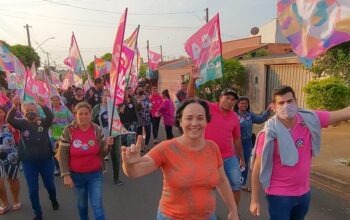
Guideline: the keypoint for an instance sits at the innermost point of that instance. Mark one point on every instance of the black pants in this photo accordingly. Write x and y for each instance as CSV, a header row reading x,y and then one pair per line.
x,y
169,132
155,126
148,132
115,157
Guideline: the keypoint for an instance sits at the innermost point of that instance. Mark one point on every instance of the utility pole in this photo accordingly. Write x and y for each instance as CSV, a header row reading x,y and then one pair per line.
x,y
207,15
48,64
28,35
161,53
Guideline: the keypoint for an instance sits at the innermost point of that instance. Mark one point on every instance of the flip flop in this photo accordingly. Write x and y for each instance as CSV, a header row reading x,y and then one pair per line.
x,y
4,209
247,189
16,206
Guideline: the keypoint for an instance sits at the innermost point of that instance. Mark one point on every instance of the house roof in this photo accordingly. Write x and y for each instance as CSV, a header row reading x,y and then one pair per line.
x,y
241,51
176,64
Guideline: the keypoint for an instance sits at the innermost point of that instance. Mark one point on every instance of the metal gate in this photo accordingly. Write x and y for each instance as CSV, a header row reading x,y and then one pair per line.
x,y
294,75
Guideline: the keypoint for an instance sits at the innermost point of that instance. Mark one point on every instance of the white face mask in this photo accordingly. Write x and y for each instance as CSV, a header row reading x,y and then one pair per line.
x,y
286,111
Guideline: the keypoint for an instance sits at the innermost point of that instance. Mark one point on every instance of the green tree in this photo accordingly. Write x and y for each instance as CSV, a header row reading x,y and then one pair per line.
x,y
233,77
26,55
327,94
335,62
143,70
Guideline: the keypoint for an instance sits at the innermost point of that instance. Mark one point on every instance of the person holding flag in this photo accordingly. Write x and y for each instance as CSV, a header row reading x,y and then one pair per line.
x,y
35,150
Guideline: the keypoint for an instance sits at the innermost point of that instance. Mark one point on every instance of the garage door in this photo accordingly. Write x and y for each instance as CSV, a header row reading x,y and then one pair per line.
x,y
294,75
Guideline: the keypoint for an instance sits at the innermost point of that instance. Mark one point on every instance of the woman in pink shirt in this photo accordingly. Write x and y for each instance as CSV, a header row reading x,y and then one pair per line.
x,y
156,101
81,156
166,110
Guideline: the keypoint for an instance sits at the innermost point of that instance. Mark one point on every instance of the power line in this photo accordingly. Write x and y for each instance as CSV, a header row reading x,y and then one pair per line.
x,y
108,24
114,12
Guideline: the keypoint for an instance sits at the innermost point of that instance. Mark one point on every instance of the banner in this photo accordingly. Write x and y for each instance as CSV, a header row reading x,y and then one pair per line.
x,y
15,70
102,67
133,79
205,49
3,98
55,79
67,81
312,27
153,59
35,88
132,72
116,70
74,59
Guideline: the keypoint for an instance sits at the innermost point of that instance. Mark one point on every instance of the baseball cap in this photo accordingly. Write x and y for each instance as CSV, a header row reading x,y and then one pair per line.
x,y
229,91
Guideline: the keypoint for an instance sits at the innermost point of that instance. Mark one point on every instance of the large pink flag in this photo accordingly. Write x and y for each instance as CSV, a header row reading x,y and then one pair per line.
x,y
74,59
116,75
153,59
3,98
67,81
205,48
35,88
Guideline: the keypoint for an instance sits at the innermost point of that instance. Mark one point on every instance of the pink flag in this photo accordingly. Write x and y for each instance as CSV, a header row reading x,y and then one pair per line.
x,y
153,59
67,81
74,59
33,70
125,65
35,88
205,48
132,73
116,75
3,98
102,67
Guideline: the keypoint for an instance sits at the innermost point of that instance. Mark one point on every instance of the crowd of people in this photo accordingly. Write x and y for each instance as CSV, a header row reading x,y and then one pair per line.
x,y
71,139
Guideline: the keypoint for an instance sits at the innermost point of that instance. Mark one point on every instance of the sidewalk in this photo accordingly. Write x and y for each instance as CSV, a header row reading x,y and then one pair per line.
x,y
328,172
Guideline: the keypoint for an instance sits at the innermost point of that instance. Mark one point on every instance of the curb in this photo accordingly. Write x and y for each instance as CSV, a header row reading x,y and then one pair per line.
x,y
331,184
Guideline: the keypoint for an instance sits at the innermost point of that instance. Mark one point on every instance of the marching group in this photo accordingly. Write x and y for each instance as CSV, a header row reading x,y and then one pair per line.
x,y
71,138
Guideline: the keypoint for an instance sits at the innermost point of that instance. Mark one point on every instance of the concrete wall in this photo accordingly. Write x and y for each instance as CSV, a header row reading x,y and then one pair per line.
x,y
256,69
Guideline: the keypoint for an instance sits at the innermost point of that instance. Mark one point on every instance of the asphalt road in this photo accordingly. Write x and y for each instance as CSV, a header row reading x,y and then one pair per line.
x,y
138,199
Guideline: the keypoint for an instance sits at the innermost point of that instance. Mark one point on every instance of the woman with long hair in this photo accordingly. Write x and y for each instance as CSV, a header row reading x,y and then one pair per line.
x,y
167,110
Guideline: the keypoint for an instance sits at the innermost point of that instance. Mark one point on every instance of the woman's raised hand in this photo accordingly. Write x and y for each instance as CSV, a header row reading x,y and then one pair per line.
x,y
131,154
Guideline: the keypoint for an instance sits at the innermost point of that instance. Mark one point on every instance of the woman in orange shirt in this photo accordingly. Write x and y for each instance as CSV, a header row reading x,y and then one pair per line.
x,y
192,168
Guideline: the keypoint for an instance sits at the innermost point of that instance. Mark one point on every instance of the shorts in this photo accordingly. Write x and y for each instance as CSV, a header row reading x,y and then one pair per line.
x,y
11,170
233,172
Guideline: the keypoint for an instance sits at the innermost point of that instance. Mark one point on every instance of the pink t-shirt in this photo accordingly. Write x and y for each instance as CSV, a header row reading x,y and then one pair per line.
x,y
84,151
156,101
293,181
223,129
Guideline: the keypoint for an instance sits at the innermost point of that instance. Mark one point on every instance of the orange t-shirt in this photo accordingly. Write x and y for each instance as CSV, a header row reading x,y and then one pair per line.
x,y
189,179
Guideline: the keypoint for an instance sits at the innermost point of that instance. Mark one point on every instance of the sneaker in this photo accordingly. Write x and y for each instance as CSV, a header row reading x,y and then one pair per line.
x,y
118,182
38,217
156,141
57,172
55,204
106,158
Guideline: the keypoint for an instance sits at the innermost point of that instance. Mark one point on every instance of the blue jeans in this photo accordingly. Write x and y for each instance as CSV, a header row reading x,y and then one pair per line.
x,y
233,172
31,170
89,184
247,151
288,207
161,216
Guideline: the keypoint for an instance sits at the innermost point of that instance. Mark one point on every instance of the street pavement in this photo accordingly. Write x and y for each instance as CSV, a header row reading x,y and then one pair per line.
x,y
138,199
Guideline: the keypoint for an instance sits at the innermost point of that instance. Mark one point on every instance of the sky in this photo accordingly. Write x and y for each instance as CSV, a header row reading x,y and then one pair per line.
x,y
94,22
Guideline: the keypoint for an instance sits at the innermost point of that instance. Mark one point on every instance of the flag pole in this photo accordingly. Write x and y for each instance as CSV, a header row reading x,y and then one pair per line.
x,y
118,69
82,62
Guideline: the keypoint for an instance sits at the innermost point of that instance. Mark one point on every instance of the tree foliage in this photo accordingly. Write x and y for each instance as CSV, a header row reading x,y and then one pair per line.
x,y
143,70
25,54
335,62
327,94
233,77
